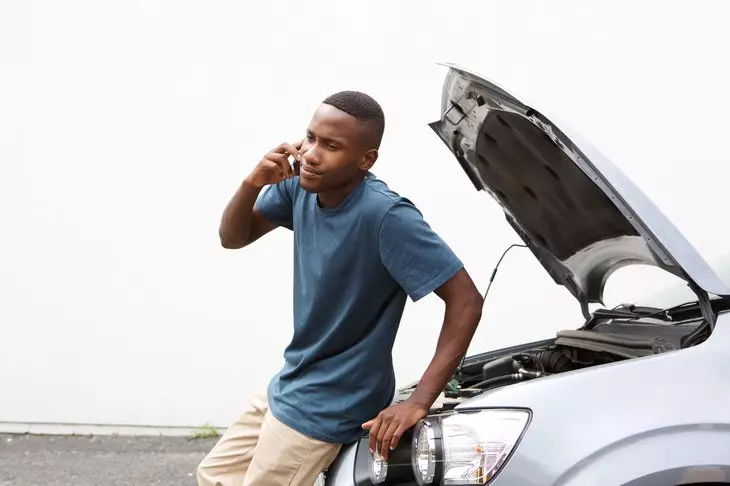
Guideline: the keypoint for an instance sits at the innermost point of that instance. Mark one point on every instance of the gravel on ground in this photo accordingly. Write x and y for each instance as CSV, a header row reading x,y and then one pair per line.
x,y
30,460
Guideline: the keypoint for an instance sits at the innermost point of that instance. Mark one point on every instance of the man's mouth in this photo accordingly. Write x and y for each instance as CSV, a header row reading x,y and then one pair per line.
x,y
309,169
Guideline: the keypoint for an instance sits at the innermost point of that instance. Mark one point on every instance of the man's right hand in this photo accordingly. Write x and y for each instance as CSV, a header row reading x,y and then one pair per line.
x,y
274,167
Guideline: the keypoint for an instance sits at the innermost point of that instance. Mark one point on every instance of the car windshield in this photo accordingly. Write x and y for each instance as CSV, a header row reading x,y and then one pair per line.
x,y
653,287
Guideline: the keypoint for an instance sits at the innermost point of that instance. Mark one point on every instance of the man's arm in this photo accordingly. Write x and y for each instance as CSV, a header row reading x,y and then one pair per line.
x,y
461,318
241,223
422,263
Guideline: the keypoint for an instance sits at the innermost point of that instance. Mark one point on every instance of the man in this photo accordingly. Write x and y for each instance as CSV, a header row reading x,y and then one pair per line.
x,y
359,250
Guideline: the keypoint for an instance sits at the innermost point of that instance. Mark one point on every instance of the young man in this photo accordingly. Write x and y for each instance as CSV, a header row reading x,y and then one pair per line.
x,y
359,250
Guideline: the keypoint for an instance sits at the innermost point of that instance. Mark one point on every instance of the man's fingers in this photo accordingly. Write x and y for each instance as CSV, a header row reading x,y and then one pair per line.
x,y
282,161
396,436
380,445
287,148
275,168
386,438
376,424
292,150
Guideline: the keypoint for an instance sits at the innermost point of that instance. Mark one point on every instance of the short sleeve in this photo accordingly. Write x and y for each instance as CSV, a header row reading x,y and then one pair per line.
x,y
276,203
415,256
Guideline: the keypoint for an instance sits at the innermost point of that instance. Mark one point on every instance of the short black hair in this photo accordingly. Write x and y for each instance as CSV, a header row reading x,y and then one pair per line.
x,y
363,108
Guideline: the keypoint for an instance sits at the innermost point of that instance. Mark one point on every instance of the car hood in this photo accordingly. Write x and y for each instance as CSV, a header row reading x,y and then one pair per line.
x,y
577,212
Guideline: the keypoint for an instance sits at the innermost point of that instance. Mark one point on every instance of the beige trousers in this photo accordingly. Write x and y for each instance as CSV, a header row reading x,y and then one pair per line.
x,y
258,450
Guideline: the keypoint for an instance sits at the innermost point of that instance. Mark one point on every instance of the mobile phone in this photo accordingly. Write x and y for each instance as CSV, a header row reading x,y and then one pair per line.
x,y
295,164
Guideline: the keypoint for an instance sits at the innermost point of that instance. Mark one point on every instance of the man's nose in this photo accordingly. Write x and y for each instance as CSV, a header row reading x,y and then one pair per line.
x,y
311,154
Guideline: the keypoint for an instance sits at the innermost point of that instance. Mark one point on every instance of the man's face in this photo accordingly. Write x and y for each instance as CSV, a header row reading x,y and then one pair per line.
x,y
335,151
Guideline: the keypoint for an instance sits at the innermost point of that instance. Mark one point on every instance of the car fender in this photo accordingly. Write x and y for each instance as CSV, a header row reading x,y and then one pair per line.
x,y
670,456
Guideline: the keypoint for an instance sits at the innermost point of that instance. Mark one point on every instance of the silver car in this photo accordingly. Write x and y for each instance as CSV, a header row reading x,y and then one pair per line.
x,y
633,395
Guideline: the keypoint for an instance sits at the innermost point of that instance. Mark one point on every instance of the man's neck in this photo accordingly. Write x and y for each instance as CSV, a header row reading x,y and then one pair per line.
x,y
331,199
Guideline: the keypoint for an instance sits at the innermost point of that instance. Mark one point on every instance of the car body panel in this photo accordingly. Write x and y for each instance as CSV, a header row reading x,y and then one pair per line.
x,y
583,421
635,422
342,470
581,216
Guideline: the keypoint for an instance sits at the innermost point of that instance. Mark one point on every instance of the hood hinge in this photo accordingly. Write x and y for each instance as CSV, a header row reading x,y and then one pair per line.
x,y
708,315
460,108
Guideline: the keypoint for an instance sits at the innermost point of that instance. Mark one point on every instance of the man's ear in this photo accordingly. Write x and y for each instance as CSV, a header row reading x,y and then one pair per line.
x,y
369,160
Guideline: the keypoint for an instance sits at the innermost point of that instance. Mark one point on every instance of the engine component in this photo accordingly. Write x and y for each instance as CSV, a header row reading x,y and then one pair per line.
x,y
570,351
623,346
523,366
553,361
499,367
499,379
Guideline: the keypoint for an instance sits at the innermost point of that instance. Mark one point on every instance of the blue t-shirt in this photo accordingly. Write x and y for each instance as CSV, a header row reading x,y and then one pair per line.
x,y
354,266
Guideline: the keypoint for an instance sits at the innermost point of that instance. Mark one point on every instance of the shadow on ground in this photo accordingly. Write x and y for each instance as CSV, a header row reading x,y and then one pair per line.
x,y
85,461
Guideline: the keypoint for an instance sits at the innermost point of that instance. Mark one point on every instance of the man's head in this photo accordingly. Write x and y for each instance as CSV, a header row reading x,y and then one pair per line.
x,y
342,142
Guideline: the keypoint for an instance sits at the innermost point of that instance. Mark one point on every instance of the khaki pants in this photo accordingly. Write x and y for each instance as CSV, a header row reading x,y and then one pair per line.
x,y
258,450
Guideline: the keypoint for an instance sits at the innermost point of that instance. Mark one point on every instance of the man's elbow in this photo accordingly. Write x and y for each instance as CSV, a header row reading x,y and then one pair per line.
x,y
462,298
230,242
230,245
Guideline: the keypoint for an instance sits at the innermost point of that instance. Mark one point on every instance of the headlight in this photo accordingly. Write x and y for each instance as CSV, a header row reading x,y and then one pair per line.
x,y
378,468
372,467
426,451
320,480
469,447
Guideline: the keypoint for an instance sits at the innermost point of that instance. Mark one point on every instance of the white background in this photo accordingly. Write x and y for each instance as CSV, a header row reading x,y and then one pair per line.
x,y
126,126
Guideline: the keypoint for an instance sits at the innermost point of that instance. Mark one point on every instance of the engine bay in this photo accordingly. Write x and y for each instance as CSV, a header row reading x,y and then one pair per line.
x,y
600,341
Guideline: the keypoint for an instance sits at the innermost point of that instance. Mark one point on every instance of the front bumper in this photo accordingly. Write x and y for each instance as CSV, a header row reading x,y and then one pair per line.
x,y
351,467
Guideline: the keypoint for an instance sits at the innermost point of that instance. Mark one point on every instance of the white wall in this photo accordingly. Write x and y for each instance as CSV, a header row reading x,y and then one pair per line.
x,y
126,126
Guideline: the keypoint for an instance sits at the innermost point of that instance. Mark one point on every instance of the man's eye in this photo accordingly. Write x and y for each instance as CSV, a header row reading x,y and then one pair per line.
x,y
310,137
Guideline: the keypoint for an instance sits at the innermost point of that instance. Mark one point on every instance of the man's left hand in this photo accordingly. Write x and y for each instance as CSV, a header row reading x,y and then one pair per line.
x,y
387,428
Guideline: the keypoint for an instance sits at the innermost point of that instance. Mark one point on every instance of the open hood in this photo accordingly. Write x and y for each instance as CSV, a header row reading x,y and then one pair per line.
x,y
577,212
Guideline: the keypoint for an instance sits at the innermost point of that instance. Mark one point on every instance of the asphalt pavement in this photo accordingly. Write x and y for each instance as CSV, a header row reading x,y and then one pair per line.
x,y
29,460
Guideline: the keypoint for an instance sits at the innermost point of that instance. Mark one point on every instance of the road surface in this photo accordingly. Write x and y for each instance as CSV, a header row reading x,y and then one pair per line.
x,y
109,460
